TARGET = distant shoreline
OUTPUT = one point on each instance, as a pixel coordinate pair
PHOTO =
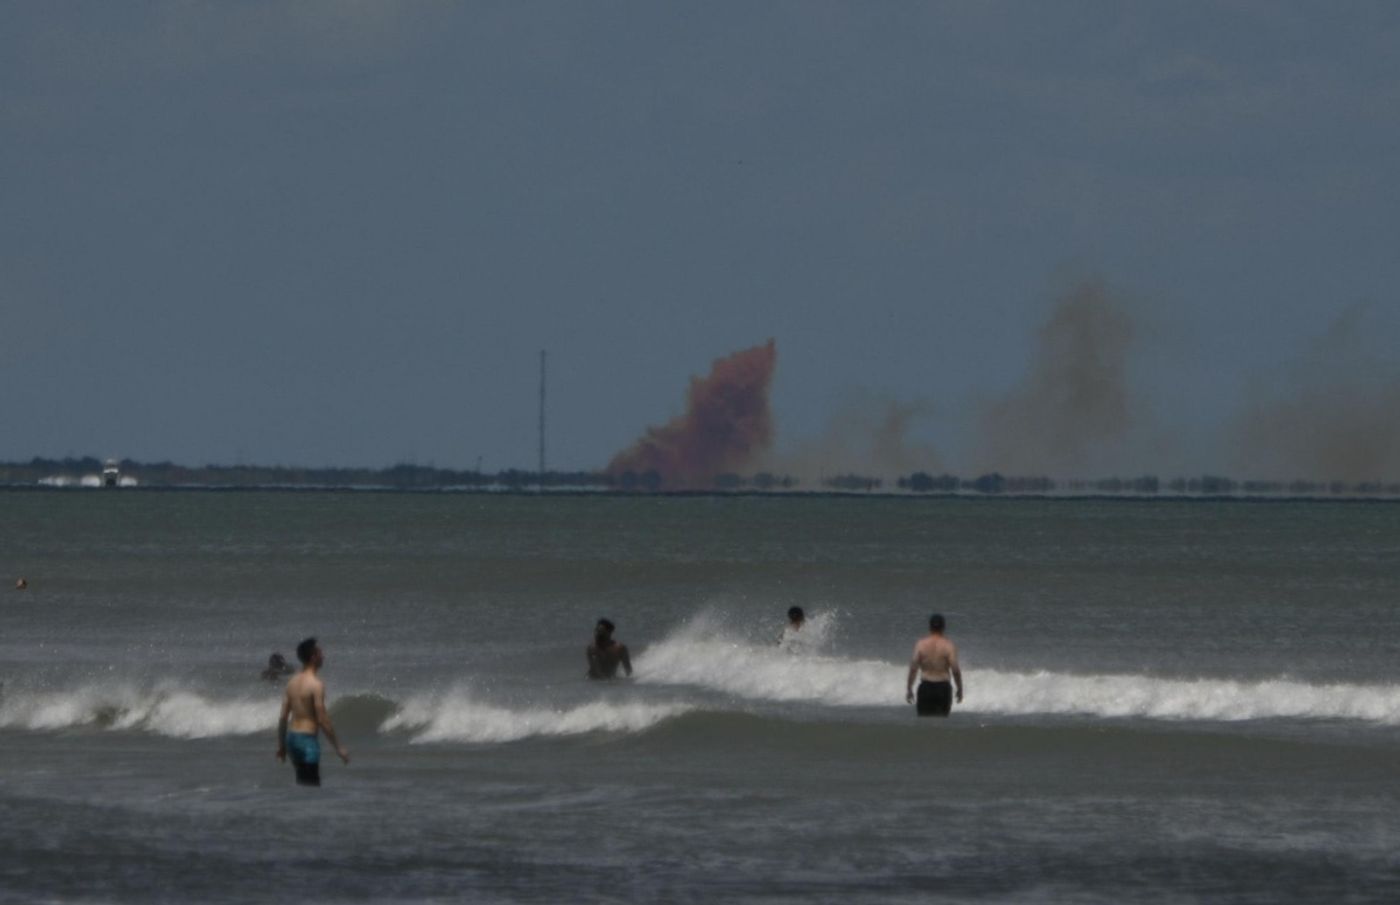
(89, 473)
(612, 493)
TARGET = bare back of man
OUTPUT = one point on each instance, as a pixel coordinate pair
(935, 656)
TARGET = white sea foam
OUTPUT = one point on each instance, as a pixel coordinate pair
(177, 713)
(768, 673)
(459, 717)
(817, 635)
(1176, 699)
(171, 712)
(700, 655)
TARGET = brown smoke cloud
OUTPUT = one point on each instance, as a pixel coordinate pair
(726, 426)
(1072, 412)
(1334, 415)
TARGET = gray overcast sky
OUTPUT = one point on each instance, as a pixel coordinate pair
(339, 232)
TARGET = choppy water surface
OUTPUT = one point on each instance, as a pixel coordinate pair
(1167, 701)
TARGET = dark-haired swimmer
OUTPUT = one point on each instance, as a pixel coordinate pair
(791, 634)
(305, 704)
(277, 668)
(606, 654)
(935, 659)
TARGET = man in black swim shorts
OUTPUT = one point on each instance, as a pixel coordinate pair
(935, 659)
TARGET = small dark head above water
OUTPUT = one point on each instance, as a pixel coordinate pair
(277, 668)
(606, 654)
(936, 622)
(796, 617)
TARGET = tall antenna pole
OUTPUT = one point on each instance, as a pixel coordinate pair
(541, 483)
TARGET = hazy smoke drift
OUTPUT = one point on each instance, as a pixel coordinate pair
(890, 446)
(727, 423)
(869, 434)
(1072, 411)
(1335, 415)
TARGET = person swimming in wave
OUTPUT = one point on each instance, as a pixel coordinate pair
(791, 638)
(277, 668)
(304, 705)
(22, 584)
(935, 659)
(606, 654)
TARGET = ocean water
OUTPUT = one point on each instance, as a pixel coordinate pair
(1166, 701)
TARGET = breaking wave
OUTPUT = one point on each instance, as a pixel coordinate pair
(700, 655)
(172, 712)
(700, 669)
(451, 717)
(458, 717)
(177, 713)
(1224, 700)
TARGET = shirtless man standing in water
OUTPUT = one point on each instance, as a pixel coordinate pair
(936, 658)
(606, 654)
(305, 703)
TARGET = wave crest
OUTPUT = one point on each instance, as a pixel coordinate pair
(1222, 700)
(458, 717)
(172, 712)
(700, 655)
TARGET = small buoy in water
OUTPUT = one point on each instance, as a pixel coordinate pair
(21, 584)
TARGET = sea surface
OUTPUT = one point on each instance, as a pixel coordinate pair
(1167, 701)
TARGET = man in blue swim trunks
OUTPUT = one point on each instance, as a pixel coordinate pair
(305, 704)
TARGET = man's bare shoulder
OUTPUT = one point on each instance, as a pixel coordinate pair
(935, 645)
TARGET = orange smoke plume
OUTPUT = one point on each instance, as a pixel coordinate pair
(726, 424)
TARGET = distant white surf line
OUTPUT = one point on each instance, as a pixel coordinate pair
(459, 717)
(170, 712)
(1224, 700)
(769, 674)
(454, 716)
(742, 671)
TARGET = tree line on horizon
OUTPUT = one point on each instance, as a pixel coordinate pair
(404, 476)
